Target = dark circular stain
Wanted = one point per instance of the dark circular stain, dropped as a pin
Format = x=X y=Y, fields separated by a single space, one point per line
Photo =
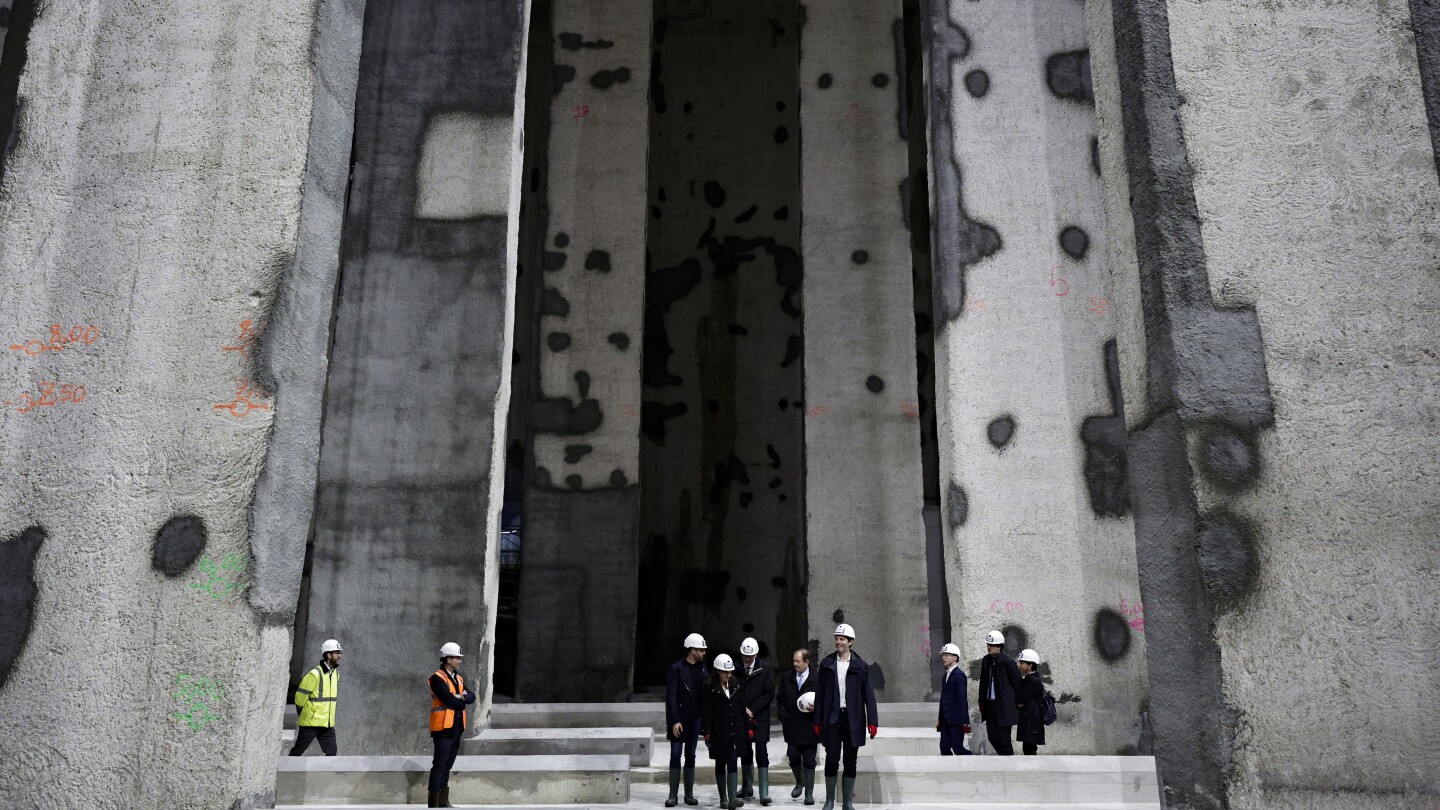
x=178 y=544
x=575 y=481
x=1000 y=431
x=825 y=81
x=860 y=257
x=557 y=341
x=782 y=213
x=562 y=239
x=1227 y=557
x=784 y=403
x=1074 y=241
x=714 y=194
x=1228 y=457
x=1016 y=639
x=880 y=80
x=977 y=83
x=619 y=340
x=779 y=106
x=688 y=107
x=781 y=135
x=740 y=595
x=838 y=616
x=618 y=479
x=875 y=384
x=1112 y=634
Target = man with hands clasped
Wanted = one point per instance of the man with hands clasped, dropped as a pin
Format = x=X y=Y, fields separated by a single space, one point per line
x=844 y=710
x=954 y=721
x=757 y=691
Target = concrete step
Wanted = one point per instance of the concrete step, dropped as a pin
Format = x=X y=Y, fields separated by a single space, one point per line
x=649 y=797
x=895 y=742
x=1053 y=780
x=489 y=780
x=636 y=744
x=578 y=715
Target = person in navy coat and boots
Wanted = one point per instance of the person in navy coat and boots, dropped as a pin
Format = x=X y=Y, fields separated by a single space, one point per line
x=684 y=702
x=726 y=727
x=954 y=721
x=1030 y=700
x=796 y=721
x=757 y=689
x=844 y=710
x=999 y=681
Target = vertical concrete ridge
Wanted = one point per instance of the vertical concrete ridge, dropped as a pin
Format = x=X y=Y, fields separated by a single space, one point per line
x=1425 y=22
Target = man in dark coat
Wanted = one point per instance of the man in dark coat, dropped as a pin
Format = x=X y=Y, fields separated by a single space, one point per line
x=449 y=709
x=757 y=691
x=1030 y=700
x=797 y=725
x=999 y=681
x=684 y=685
x=954 y=720
x=844 y=710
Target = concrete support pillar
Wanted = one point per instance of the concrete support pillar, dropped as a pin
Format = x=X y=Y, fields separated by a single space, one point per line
x=582 y=499
x=405 y=547
x=167 y=276
x=1039 y=539
x=1282 y=189
x=865 y=532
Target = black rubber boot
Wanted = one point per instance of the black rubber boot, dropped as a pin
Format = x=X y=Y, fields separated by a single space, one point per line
x=434 y=799
x=734 y=794
x=829 y=792
x=674 y=797
x=690 y=787
x=763 y=777
x=799 y=780
x=721 y=786
x=847 y=790
x=444 y=798
x=747 y=773
x=809 y=785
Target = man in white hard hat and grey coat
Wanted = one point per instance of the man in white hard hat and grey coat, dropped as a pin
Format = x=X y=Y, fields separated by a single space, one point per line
x=684 y=690
x=315 y=700
x=954 y=720
x=449 y=711
x=999 y=681
x=757 y=691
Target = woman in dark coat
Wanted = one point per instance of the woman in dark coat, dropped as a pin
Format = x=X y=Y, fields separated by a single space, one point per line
x=724 y=727
x=798 y=724
x=1029 y=700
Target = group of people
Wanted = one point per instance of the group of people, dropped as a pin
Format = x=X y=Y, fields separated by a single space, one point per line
x=450 y=699
x=831 y=705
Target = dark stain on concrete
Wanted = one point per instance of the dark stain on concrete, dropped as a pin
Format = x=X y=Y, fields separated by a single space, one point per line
x=619 y=340
x=793 y=348
x=880 y=80
x=838 y=616
x=1000 y=430
x=604 y=79
x=959 y=504
x=618 y=479
x=731 y=470
x=1067 y=75
x=860 y=257
x=1095 y=154
x=552 y=302
x=1106 y=463
x=574 y=42
x=714 y=194
x=178 y=544
x=574 y=481
x=552 y=261
x=560 y=415
x=747 y=214
x=654 y=415
x=561 y=75
x=874 y=384
x=770 y=448
x=1228 y=457
x=663 y=288
x=825 y=81
x=557 y=341
x=598 y=260
x=575 y=452
x=1112 y=634
x=1074 y=241
x=17 y=594
x=977 y=83
x=782 y=213
x=562 y=240
x=782 y=135
x=1226 y=548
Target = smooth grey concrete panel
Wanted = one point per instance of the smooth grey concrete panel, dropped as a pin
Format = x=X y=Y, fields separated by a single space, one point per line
x=577 y=715
x=473 y=780
x=408 y=493
x=637 y=744
x=1053 y=780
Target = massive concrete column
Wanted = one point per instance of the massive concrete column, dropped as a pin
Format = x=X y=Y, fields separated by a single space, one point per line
x=167 y=282
x=1039 y=540
x=404 y=554
x=863 y=490
x=582 y=500
x=1283 y=192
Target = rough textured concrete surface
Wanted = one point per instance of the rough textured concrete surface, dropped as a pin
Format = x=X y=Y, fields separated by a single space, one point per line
x=1039 y=540
x=151 y=218
x=406 y=529
x=1282 y=450
x=863 y=491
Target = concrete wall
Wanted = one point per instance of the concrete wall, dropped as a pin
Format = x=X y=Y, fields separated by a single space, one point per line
x=581 y=506
x=1039 y=541
x=1282 y=186
x=863 y=485
x=404 y=550
x=722 y=508
x=156 y=214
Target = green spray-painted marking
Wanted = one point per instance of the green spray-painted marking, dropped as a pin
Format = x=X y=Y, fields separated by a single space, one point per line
x=223 y=578
x=199 y=698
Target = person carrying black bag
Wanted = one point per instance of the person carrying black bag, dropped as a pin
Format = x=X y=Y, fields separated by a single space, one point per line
x=1030 y=701
x=999 y=681
x=796 y=707
x=757 y=691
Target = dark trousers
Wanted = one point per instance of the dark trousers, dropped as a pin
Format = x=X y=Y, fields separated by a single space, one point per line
x=727 y=762
x=1000 y=738
x=1030 y=749
x=688 y=738
x=802 y=756
x=838 y=746
x=952 y=740
x=308 y=734
x=756 y=751
x=446 y=747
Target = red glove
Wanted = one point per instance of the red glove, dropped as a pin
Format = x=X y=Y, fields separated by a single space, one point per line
x=873 y=729
x=965 y=728
x=707 y=739
x=817 y=731
x=750 y=733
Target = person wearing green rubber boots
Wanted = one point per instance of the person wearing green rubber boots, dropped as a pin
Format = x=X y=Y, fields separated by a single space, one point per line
x=757 y=692
x=725 y=727
x=796 y=706
x=684 y=701
x=844 y=711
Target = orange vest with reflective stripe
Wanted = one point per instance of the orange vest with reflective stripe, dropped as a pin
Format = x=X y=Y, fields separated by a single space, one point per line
x=441 y=716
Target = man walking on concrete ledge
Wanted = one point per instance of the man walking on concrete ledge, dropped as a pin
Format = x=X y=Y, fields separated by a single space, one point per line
x=683 y=684
x=844 y=710
x=315 y=700
x=448 y=701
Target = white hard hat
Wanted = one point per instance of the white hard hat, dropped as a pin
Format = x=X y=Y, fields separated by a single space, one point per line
x=695 y=641
x=749 y=647
x=806 y=703
x=950 y=648
x=1031 y=656
x=330 y=645
x=723 y=663
x=995 y=637
x=451 y=649
x=845 y=630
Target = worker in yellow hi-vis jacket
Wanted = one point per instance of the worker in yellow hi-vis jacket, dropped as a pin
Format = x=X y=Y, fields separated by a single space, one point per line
x=316 y=699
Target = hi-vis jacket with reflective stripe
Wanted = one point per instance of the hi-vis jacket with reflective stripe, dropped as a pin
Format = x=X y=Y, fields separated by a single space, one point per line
x=442 y=716
x=316 y=697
